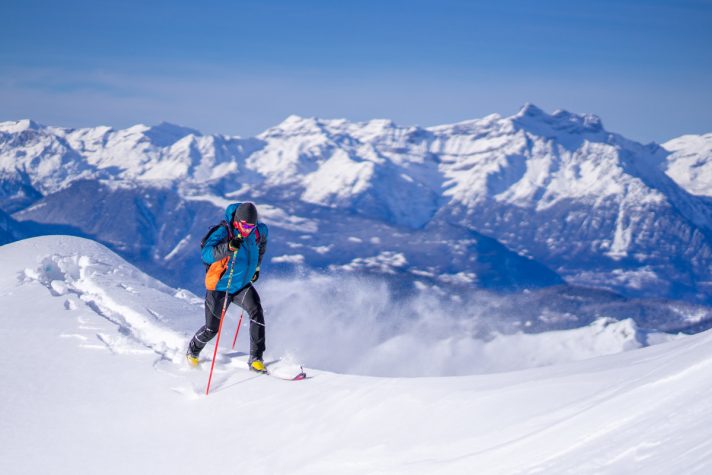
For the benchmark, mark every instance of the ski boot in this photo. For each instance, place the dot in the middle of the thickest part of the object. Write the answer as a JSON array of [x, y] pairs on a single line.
[[257, 365], [192, 359]]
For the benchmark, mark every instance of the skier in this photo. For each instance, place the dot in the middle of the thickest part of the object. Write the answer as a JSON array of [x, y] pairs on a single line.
[[242, 232]]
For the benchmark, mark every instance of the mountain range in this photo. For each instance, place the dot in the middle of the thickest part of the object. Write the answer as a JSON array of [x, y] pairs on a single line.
[[515, 203]]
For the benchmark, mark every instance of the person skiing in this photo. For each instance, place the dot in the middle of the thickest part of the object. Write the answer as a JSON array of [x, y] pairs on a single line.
[[241, 238]]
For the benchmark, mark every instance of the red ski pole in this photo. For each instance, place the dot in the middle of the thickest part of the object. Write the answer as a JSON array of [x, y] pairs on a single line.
[[222, 319]]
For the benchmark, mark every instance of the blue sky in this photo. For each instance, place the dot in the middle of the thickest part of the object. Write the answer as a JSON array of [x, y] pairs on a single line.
[[238, 67]]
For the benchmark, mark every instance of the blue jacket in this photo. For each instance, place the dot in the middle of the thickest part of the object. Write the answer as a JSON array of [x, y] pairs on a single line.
[[216, 254]]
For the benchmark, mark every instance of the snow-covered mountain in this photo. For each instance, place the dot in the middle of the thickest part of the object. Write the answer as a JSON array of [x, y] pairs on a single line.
[[690, 163], [556, 188], [97, 366], [596, 207]]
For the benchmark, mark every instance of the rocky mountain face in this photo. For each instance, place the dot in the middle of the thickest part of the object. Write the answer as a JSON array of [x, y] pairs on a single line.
[[594, 206], [504, 203], [10, 230]]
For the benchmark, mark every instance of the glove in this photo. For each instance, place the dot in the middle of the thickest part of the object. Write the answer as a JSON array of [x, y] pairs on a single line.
[[256, 276], [235, 243]]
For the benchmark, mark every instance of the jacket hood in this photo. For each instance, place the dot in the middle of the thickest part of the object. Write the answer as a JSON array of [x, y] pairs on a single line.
[[229, 212]]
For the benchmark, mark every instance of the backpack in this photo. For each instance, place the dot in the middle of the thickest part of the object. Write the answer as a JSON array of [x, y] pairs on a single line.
[[211, 231]]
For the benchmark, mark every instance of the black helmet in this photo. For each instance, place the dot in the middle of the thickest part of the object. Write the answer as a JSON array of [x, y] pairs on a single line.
[[246, 212]]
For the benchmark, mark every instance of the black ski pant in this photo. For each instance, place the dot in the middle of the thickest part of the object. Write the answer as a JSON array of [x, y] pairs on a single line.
[[247, 298]]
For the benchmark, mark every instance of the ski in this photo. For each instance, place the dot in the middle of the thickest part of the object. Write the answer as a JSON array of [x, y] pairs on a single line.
[[286, 373], [298, 377]]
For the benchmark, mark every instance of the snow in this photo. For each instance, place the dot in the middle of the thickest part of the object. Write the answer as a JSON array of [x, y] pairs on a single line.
[[621, 238], [16, 126], [690, 163], [338, 178], [93, 384], [289, 259], [634, 279], [385, 262], [181, 244], [286, 220], [218, 201]]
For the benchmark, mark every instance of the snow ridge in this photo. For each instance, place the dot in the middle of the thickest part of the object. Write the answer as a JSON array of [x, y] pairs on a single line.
[[94, 330]]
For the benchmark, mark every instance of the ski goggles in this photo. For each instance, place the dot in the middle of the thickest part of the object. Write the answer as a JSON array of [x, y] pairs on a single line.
[[244, 226]]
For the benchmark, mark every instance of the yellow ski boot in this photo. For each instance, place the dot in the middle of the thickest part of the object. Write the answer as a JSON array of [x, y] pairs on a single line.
[[257, 366], [192, 360]]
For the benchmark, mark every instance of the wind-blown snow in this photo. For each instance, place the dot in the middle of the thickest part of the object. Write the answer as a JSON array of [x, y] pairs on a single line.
[[95, 386], [375, 332]]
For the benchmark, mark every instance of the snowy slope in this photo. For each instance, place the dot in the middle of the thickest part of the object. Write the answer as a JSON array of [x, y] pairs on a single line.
[[690, 163], [305, 309], [95, 387]]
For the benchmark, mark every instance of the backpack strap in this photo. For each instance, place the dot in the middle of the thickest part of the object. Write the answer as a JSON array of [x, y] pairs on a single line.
[[215, 228], [228, 228]]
